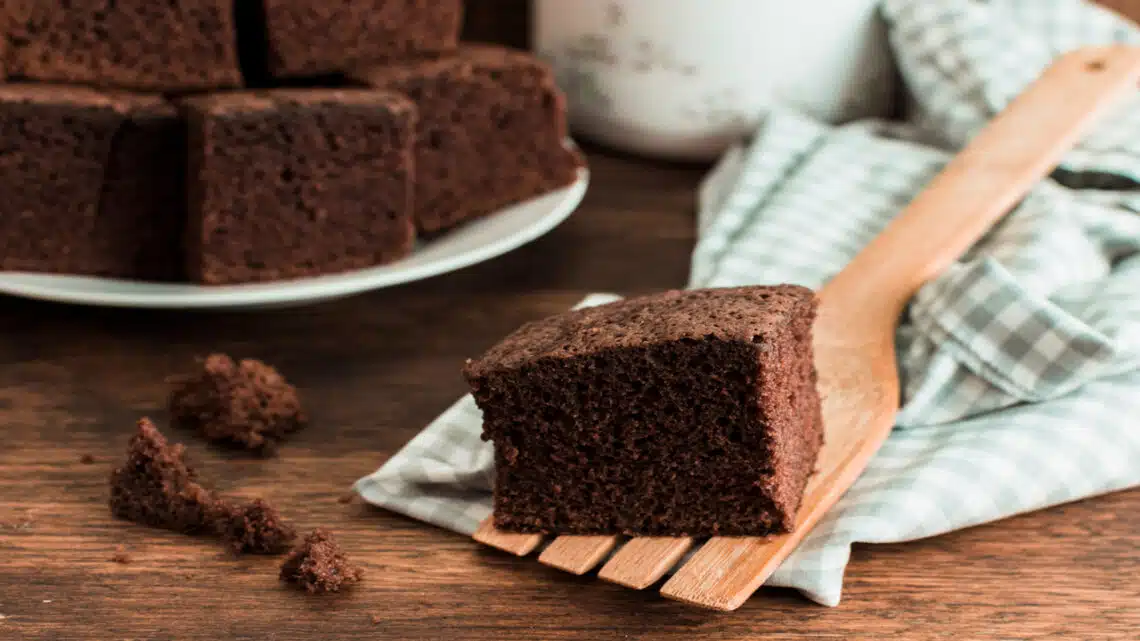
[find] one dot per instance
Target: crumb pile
(156, 486)
(319, 565)
(121, 555)
(256, 528)
(247, 404)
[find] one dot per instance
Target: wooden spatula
(855, 331)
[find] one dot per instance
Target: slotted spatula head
(855, 329)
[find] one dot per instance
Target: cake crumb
(345, 498)
(247, 404)
(87, 459)
(318, 565)
(121, 555)
(156, 486)
(256, 527)
(375, 618)
(23, 524)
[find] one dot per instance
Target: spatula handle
(1016, 150)
(859, 308)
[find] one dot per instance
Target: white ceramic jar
(684, 79)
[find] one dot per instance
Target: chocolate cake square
(491, 131)
(171, 46)
(91, 181)
(289, 183)
(309, 38)
(683, 413)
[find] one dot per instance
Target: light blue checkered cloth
(1021, 364)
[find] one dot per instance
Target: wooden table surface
(374, 369)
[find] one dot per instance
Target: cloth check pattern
(1021, 364)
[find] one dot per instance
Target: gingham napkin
(1021, 364)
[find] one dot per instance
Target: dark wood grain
(374, 369)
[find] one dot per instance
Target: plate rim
(305, 290)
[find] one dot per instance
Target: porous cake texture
(682, 413)
(255, 528)
(308, 38)
(247, 404)
(319, 566)
(142, 210)
(289, 183)
(7, 17)
(147, 45)
(92, 182)
(156, 487)
(491, 131)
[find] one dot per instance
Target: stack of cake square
(231, 141)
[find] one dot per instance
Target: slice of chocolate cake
(171, 46)
(318, 565)
(156, 487)
(308, 38)
(683, 413)
(91, 181)
(293, 183)
(247, 404)
(491, 131)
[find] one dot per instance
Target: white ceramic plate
(472, 243)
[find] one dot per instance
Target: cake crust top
(79, 96)
(245, 102)
(750, 314)
(468, 60)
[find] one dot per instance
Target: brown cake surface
(7, 18)
(256, 528)
(142, 209)
(92, 182)
(293, 183)
(491, 131)
(156, 487)
(319, 565)
(169, 46)
(247, 403)
(683, 413)
(309, 38)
